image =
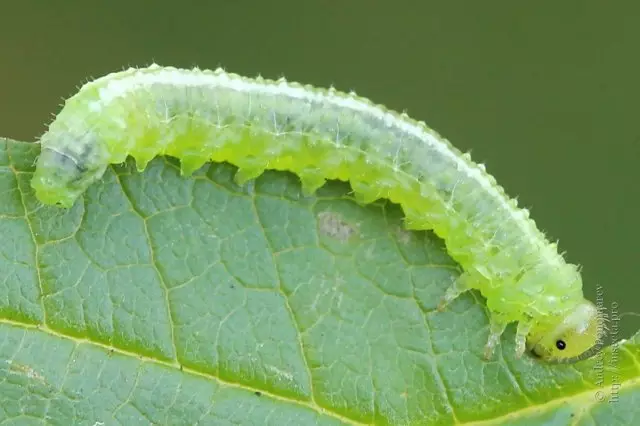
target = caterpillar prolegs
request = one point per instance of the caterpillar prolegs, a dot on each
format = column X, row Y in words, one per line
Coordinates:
column 257, row 124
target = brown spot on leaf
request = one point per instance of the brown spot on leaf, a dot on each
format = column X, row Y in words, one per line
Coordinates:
column 403, row 235
column 25, row 370
column 332, row 225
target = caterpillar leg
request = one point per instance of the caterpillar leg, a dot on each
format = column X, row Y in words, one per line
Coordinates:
column 524, row 327
column 459, row 286
column 311, row 181
column 496, row 328
column 245, row 174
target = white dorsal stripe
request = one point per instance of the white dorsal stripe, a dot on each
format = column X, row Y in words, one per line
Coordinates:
column 117, row 85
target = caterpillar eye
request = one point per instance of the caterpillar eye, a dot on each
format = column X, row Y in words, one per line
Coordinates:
column 560, row 344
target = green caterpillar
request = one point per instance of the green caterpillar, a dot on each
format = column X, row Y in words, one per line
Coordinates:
column 257, row 124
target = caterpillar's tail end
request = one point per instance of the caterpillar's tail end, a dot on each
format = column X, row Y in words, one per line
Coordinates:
column 48, row 193
column 56, row 180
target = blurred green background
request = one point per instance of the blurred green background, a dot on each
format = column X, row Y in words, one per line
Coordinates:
column 546, row 94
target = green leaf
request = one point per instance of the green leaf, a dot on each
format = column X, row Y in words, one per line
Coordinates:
column 163, row 300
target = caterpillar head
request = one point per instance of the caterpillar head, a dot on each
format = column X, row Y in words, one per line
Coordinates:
column 60, row 178
column 572, row 338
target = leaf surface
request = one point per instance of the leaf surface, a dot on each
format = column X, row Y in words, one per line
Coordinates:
column 158, row 299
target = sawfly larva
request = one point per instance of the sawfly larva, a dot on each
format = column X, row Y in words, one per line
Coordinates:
column 258, row 124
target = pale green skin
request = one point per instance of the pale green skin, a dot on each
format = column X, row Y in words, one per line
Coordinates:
column 256, row 124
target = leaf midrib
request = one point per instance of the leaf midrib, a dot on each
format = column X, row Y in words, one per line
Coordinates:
column 584, row 400
column 178, row 367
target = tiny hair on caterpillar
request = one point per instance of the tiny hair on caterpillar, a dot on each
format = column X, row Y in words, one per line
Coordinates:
column 320, row 134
